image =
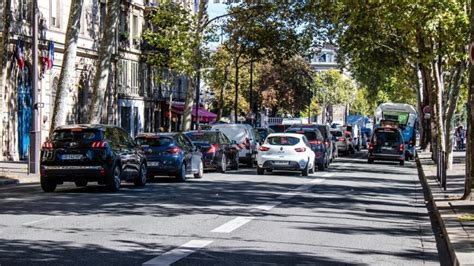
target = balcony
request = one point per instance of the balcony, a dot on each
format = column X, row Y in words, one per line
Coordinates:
column 128, row 91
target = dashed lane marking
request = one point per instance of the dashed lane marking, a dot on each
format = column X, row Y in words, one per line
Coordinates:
column 232, row 225
column 176, row 254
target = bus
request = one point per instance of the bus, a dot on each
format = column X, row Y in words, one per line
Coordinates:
column 405, row 117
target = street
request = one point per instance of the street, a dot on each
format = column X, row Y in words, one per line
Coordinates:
column 353, row 213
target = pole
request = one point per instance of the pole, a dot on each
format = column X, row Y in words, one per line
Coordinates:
column 171, row 104
column 35, row 138
column 251, row 91
column 198, row 85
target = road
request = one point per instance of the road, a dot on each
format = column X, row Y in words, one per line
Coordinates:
column 353, row 213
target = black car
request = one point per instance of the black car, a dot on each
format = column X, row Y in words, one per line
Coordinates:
column 316, row 140
column 218, row 151
column 171, row 154
column 91, row 153
column 387, row 144
column 264, row 132
column 328, row 140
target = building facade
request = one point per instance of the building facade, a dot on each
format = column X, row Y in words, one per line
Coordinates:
column 133, row 100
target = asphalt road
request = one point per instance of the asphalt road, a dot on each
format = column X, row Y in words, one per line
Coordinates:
column 353, row 213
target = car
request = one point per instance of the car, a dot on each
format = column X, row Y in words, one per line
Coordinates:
column 245, row 140
column 218, row 151
column 279, row 128
column 264, row 132
column 286, row 151
column 328, row 141
column 387, row 144
column 350, row 141
column 85, row 153
column 171, row 154
column 316, row 142
column 342, row 144
column 355, row 136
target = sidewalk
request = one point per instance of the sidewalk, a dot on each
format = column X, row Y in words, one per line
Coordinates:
column 456, row 217
column 15, row 173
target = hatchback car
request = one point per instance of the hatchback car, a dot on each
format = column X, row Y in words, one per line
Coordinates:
column 286, row 151
column 218, row 151
column 387, row 145
column 84, row 153
column 342, row 144
column 171, row 154
column 316, row 141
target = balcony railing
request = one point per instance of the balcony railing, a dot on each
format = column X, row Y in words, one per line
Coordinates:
column 130, row 91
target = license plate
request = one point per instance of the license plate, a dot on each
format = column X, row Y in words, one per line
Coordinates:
column 386, row 148
column 281, row 162
column 72, row 156
column 153, row 163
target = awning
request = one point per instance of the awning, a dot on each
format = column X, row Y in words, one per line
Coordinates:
column 204, row 115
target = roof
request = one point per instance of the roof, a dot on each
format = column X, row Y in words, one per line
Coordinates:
column 85, row 126
column 396, row 107
column 296, row 135
column 159, row 134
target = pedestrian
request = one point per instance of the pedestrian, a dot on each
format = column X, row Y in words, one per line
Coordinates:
column 460, row 136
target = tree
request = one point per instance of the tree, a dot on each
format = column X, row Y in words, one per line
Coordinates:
column 470, row 118
column 4, row 62
column 67, row 76
column 103, row 63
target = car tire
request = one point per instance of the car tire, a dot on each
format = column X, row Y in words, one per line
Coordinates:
column 200, row 172
column 140, row 181
column 235, row 166
column 181, row 174
column 313, row 169
column 114, row 180
column 305, row 171
column 402, row 162
column 371, row 161
column 260, row 171
column 48, row 185
column 223, row 166
column 80, row 183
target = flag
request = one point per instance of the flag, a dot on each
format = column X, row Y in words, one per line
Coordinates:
column 50, row 56
column 20, row 54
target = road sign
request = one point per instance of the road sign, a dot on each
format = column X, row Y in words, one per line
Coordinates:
column 427, row 109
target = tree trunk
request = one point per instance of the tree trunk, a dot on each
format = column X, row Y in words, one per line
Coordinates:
column 103, row 64
column 4, row 58
column 236, row 84
column 222, row 93
column 419, row 101
column 188, row 106
column 470, row 119
column 68, row 69
column 438, row 117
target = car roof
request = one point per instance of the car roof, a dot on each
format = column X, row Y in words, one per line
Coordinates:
column 203, row 131
column 296, row 135
column 159, row 134
column 85, row 126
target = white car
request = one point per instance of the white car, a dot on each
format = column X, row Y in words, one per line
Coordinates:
column 285, row 151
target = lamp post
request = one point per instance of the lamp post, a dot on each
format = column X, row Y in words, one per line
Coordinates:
column 35, row 137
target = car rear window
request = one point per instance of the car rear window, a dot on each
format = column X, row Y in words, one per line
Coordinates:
column 201, row 136
column 283, row 140
column 310, row 135
column 77, row 134
column 336, row 133
column 237, row 133
column 279, row 128
column 383, row 136
column 154, row 141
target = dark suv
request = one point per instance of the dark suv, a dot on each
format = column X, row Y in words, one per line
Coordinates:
column 387, row 145
column 316, row 140
column 98, row 153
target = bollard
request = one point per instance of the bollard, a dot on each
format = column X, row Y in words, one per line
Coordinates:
column 443, row 170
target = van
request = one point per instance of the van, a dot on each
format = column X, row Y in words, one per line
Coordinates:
column 244, row 138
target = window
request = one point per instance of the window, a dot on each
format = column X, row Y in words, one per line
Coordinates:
column 54, row 89
column 123, row 73
column 135, row 77
column 135, row 29
column 55, row 13
column 135, row 121
column 125, row 114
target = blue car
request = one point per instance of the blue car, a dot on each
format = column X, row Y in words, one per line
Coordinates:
column 316, row 141
column 171, row 154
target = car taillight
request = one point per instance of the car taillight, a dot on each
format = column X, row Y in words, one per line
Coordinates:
column 401, row 147
column 327, row 144
column 341, row 139
column 302, row 149
column 213, row 148
column 315, row 142
column 350, row 139
column 48, row 145
column 411, row 142
column 247, row 143
column 99, row 144
column 174, row 150
column 264, row 148
column 371, row 146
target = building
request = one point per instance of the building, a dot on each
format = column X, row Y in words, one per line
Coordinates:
column 133, row 100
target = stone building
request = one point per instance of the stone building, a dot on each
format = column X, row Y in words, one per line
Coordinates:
column 133, row 101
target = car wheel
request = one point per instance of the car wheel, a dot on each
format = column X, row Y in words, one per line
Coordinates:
column 260, row 171
column 181, row 174
column 305, row 171
column 370, row 161
column 223, row 166
column 200, row 172
column 140, row 181
column 48, row 185
column 114, row 180
column 313, row 169
column 235, row 166
column 80, row 183
column 402, row 162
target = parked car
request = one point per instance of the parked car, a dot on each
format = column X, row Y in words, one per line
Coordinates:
column 355, row 135
column 387, row 144
column 91, row 153
column 316, row 142
column 171, row 154
column 342, row 143
column 279, row 128
column 350, row 141
column 218, row 151
column 286, row 151
column 264, row 132
column 245, row 140
column 328, row 141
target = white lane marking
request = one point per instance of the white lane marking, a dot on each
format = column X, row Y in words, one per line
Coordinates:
column 176, row 254
column 328, row 175
column 39, row 221
column 268, row 206
column 232, row 225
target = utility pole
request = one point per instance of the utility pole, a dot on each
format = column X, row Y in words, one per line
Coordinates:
column 251, row 92
column 35, row 137
column 198, row 91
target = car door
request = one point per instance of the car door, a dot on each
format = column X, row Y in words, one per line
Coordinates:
column 135, row 155
column 127, row 153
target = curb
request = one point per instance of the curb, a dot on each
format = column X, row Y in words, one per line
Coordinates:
column 429, row 198
column 8, row 181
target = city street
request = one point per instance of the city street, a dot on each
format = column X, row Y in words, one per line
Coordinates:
column 353, row 213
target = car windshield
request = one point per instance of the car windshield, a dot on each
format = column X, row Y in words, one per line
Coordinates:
column 204, row 137
column 283, row 140
column 78, row 134
column 154, row 141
